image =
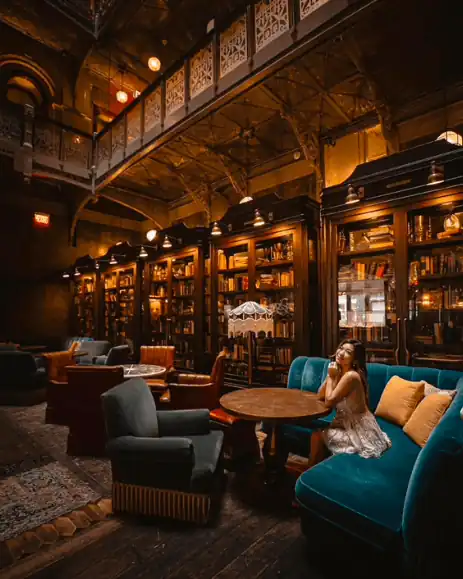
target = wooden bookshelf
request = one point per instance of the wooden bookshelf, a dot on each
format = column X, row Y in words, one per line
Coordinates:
column 84, row 305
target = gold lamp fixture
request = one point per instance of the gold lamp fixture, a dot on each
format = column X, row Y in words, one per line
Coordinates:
column 259, row 221
column 354, row 195
column 113, row 260
column 66, row 275
column 154, row 63
column 167, row 243
column 436, row 174
column 143, row 253
column 77, row 273
column 122, row 96
column 246, row 199
column 216, row 231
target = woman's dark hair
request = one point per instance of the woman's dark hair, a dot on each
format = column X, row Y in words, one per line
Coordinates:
column 360, row 362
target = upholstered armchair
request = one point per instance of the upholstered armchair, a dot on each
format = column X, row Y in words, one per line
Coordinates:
column 204, row 391
column 21, row 381
column 117, row 356
column 159, row 356
column 164, row 463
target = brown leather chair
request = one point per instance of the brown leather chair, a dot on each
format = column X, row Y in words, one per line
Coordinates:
column 159, row 356
column 85, row 415
column 194, row 391
column 56, row 364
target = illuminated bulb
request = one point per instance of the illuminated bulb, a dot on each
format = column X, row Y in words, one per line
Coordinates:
column 451, row 137
column 216, row 231
column 113, row 260
column 167, row 244
column 258, row 219
column 246, row 199
column 97, row 265
column 151, row 234
column 66, row 275
column 136, row 94
column 77, row 273
column 122, row 96
column 154, row 64
column 143, row 253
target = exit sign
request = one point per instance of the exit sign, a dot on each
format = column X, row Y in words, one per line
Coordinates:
column 41, row 219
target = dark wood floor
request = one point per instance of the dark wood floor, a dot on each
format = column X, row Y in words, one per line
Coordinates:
column 244, row 543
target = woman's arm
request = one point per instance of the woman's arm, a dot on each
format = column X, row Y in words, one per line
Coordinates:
column 342, row 389
column 322, row 391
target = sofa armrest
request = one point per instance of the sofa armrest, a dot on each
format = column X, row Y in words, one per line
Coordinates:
column 100, row 360
column 166, row 449
column 183, row 422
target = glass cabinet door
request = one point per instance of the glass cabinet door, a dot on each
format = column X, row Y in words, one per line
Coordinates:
column 435, row 282
column 367, row 288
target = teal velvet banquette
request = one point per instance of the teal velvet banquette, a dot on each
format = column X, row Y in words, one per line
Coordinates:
column 408, row 503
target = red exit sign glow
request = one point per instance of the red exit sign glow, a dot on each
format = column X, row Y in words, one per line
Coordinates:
column 42, row 219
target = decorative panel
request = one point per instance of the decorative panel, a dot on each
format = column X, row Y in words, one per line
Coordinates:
column 233, row 46
column 134, row 124
column 175, row 91
column 77, row 149
column 201, row 71
column 47, row 139
column 153, row 110
column 117, row 137
column 309, row 6
column 271, row 20
column 10, row 126
column 103, row 147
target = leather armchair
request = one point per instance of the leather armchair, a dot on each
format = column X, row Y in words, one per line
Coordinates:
column 204, row 391
column 164, row 463
column 160, row 356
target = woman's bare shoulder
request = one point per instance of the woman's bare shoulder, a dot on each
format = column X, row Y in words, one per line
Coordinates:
column 353, row 376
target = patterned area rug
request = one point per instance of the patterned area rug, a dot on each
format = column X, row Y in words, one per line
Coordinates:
column 45, row 495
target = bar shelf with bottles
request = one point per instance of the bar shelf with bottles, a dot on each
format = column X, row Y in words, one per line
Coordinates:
column 393, row 236
column 366, row 287
column 84, row 304
column 274, row 265
column 436, row 285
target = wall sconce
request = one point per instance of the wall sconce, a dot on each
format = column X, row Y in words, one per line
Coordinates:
column 216, row 231
column 354, row 195
column 113, row 260
column 77, row 273
column 436, row 175
column 151, row 235
column 143, row 253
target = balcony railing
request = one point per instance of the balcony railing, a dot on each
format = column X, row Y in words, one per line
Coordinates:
column 225, row 59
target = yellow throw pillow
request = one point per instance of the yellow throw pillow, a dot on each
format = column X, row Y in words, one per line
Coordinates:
column 426, row 417
column 399, row 399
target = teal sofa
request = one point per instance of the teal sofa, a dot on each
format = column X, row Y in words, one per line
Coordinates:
column 405, row 505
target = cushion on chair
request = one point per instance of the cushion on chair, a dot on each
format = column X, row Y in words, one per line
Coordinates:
column 426, row 417
column 399, row 400
column 130, row 410
column 93, row 348
column 219, row 415
column 118, row 355
column 364, row 497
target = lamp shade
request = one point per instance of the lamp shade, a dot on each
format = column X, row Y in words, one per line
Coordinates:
column 249, row 317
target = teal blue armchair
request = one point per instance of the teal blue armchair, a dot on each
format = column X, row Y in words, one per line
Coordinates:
column 407, row 504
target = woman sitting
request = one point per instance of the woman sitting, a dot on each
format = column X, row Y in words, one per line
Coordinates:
column 354, row 430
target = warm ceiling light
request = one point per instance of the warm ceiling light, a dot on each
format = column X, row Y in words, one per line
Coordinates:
column 136, row 94
column 352, row 196
column 151, row 234
column 451, row 137
column 122, row 96
column 167, row 244
column 154, row 64
column 66, row 275
column 258, row 219
column 216, row 231
column 97, row 265
column 143, row 253
column 77, row 273
column 436, row 174
column 246, row 199
column 113, row 260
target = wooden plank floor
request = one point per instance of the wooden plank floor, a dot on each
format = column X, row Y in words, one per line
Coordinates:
column 245, row 543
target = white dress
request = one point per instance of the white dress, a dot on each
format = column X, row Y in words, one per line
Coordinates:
column 355, row 430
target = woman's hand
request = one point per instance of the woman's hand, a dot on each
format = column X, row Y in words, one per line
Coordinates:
column 333, row 370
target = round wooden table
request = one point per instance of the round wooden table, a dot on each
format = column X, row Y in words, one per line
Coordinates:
column 142, row 370
column 274, row 406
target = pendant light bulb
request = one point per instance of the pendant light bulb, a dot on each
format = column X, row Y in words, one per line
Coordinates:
column 66, row 275
column 122, row 96
column 143, row 253
column 246, row 199
column 151, row 234
column 436, row 174
column 258, row 219
column 76, row 273
column 97, row 265
column 216, row 231
column 154, row 64
column 167, row 244
column 113, row 260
